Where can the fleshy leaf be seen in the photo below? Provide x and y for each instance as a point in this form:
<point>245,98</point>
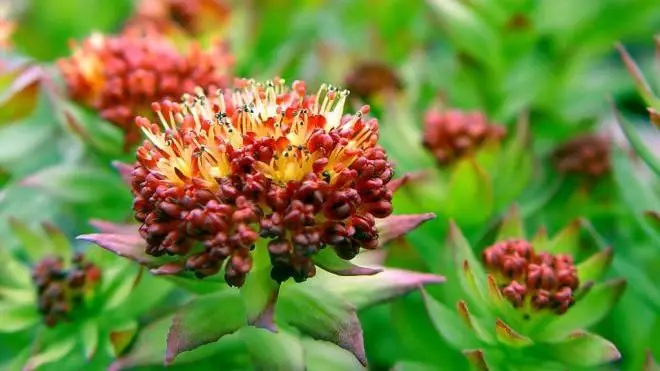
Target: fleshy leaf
<point>54,352</point>
<point>395,226</point>
<point>512,225</point>
<point>449,324</point>
<point>322,315</point>
<point>197,323</point>
<point>260,291</point>
<point>596,266</point>
<point>58,242</point>
<point>567,241</point>
<point>121,338</point>
<point>322,356</point>
<point>168,269</point>
<point>397,183</point>
<point>509,336</point>
<point>587,311</point>
<point>113,228</point>
<point>329,261</point>
<point>31,242</point>
<point>472,276</point>
<point>470,194</point>
<point>365,291</point>
<point>637,142</point>
<point>585,350</point>
<point>125,171</point>
<point>273,351</point>
<point>90,338</point>
<point>17,318</point>
<point>128,246</point>
<point>476,359</point>
<point>649,363</point>
<point>643,87</point>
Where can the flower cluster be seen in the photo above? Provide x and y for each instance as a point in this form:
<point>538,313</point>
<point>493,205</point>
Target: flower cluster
<point>584,155</point>
<point>122,75</point>
<point>263,161</point>
<point>6,31</point>
<point>192,16</point>
<point>528,277</point>
<point>59,289</point>
<point>451,135</point>
<point>370,78</point>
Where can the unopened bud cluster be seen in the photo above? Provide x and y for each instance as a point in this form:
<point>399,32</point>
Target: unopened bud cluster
<point>451,135</point>
<point>370,78</point>
<point>261,162</point>
<point>121,76</point>
<point>584,155</point>
<point>61,289</point>
<point>527,277</point>
<point>192,16</point>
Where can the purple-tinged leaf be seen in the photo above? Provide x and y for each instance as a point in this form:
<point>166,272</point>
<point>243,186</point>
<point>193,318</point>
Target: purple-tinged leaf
<point>508,336</point>
<point>655,117</point>
<point>365,291</point>
<point>128,246</point>
<point>596,266</point>
<point>449,324</point>
<point>512,225</point>
<point>476,359</point>
<point>395,226</point>
<point>587,311</point>
<point>584,349</point>
<point>168,269</point>
<point>125,171</point>
<point>205,319</point>
<point>322,315</point>
<point>395,184</point>
<point>114,228</point>
<point>327,260</point>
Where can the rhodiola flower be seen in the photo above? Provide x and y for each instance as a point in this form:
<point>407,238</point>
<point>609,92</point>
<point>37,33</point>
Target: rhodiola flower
<point>451,135</point>
<point>74,305</point>
<point>120,76</point>
<point>584,155</point>
<point>527,302</point>
<point>264,163</point>
<point>262,184</point>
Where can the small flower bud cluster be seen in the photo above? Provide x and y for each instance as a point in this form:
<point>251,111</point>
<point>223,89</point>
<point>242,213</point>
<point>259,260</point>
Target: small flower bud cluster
<point>584,155</point>
<point>526,277</point>
<point>370,78</point>
<point>265,163</point>
<point>60,289</point>
<point>121,76</point>
<point>452,135</point>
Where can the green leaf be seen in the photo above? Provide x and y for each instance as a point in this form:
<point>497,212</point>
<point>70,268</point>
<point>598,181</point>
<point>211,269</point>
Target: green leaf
<point>567,241</point>
<point>508,336</point>
<point>476,359</point>
<point>122,336</point>
<point>197,323</point>
<point>322,356</point>
<point>649,363</point>
<point>32,243</point>
<point>472,276</point>
<point>587,311</point>
<point>260,291</point>
<point>596,266</point>
<point>328,260</point>
<point>449,324</point>
<point>637,142</point>
<point>89,335</point>
<point>470,195</point>
<point>643,87</point>
<point>512,226</point>
<point>52,353</point>
<point>585,350</point>
<point>18,317</point>
<point>273,351</point>
<point>468,32</point>
<point>322,315</point>
<point>59,243</point>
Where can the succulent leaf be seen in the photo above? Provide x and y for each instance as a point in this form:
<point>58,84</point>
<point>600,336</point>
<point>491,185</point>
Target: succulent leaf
<point>329,261</point>
<point>470,194</point>
<point>510,337</point>
<point>637,142</point>
<point>596,266</point>
<point>449,324</point>
<point>273,351</point>
<point>584,349</point>
<point>512,225</point>
<point>395,226</point>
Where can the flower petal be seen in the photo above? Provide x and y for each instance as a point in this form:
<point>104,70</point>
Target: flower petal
<point>197,323</point>
<point>329,261</point>
<point>397,225</point>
